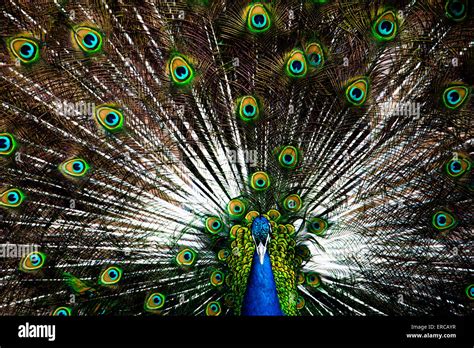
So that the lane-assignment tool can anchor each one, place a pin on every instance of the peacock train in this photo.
(244, 158)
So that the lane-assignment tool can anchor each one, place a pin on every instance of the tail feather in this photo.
(372, 175)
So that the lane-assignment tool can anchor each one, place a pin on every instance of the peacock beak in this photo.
(261, 248)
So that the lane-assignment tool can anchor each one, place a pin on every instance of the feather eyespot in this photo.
(273, 215)
(217, 278)
(7, 144)
(458, 167)
(313, 280)
(248, 109)
(12, 198)
(315, 55)
(303, 252)
(456, 10)
(296, 64)
(317, 226)
(213, 309)
(288, 157)
(223, 254)
(214, 225)
(258, 19)
(233, 231)
(455, 96)
(110, 276)
(260, 181)
(24, 49)
(292, 203)
(186, 257)
(88, 39)
(442, 220)
(76, 167)
(385, 28)
(356, 92)
(110, 118)
(236, 208)
(154, 301)
(180, 70)
(32, 262)
(62, 312)
(300, 302)
(470, 292)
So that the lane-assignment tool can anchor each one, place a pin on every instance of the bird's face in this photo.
(261, 229)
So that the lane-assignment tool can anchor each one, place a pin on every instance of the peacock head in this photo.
(261, 229)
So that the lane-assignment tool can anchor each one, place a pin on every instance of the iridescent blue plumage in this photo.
(261, 296)
(260, 229)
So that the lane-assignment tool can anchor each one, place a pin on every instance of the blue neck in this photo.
(261, 297)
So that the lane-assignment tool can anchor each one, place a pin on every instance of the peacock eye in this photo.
(213, 309)
(62, 312)
(214, 225)
(75, 167)
(317, 225)
(356, 92)
(110, 276)
(32, 261)
(457, 167)
(154, 301)
(186, 257)
(292, 203)
(35, 260)
(236, 208)
(288, 157)
(455, 96)
(248, 108)
(296, 64)
(217, 278)
(385, 27)
(223, 254)
(12, 198)
(180, 70)
(303, 252)
(260, 181)
(315, 55)
(258, 19)
(300, 279)
(7, 144)
(273, 215)
(89, 40)
(470, 291)
(312, 279)
(442, 220)
(300, 302)
(456, 10)
(24, 49)
(233, 231)
(110, 118)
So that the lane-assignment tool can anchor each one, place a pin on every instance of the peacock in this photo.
(242, 158)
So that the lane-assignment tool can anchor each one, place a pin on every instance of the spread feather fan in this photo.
(236, 158)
